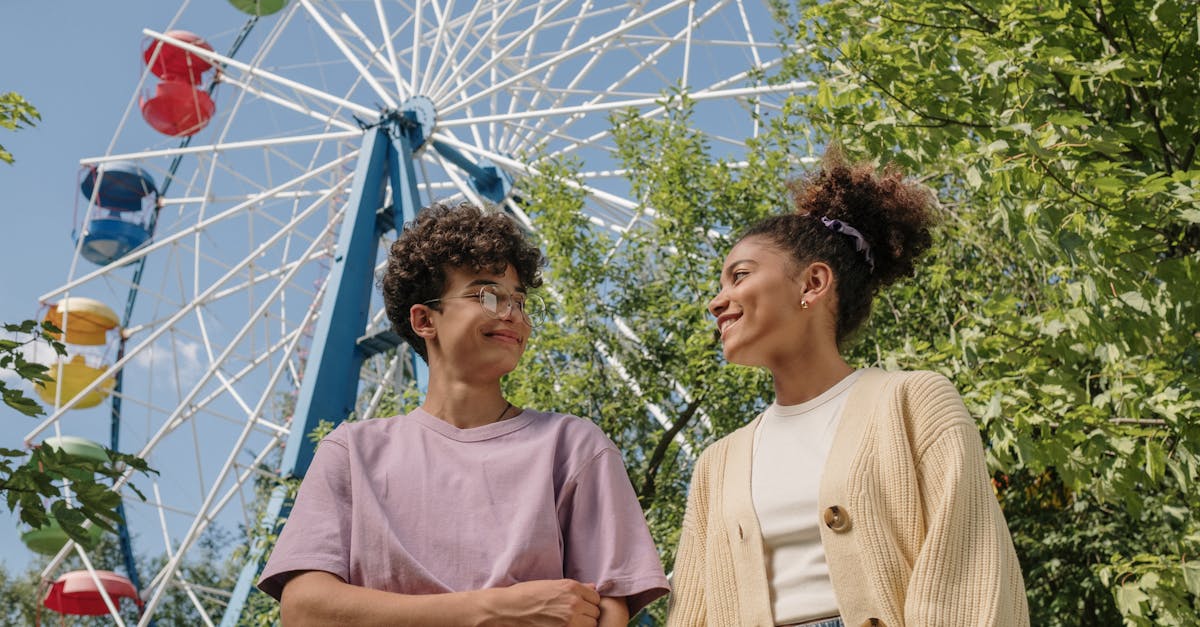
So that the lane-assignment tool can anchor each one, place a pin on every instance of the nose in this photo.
(718, 304)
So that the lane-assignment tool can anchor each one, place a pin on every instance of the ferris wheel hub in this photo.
(416, 118)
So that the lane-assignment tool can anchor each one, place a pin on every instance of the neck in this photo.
(805, 375)
(465, 404)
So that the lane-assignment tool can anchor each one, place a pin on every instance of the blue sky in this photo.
(79, 64)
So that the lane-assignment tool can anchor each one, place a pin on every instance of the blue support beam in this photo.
(329, 386)
(408, 201)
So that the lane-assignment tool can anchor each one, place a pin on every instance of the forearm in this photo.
(614, 612)
(320, 598)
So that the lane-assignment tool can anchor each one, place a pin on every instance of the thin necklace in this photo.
(507, 406)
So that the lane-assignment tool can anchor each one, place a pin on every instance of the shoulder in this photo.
(571, 424)
(929, 394)
(715, 454)
(576, 442)
(930, 406)
(358, 431)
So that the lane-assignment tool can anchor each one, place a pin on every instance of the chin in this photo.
(739, 357)
(731, 354)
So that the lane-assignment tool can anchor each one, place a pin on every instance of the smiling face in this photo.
(758, 310)
(465, 340)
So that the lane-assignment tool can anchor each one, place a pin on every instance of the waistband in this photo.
(832, 621)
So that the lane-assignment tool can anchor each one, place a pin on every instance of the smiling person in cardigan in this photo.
(858, 497)
(467, 510)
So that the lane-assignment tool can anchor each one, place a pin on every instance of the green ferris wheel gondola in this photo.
(259, 7)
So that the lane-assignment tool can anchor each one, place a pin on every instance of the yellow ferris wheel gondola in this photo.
(85, 323)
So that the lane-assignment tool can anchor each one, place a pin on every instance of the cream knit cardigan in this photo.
(919, 539)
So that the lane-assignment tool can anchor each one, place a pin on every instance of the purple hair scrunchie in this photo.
(860, 242)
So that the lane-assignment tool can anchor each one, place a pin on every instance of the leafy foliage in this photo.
(49, 481)
(15, 113)
(12, 357)
(1062, 137)
(631, 345)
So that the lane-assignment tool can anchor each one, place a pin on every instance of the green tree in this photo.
(1062, 137)
(630, 344)
(15, 113)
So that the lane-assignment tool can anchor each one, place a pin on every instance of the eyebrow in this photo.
(733, 264)
(482, 282)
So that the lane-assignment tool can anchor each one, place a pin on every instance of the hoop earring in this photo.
(803, 304)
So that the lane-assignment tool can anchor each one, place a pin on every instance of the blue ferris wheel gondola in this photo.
(119, 217)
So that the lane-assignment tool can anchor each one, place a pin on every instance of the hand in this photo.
(548, 603)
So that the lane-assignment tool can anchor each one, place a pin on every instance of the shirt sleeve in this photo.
(316, 535)
(605, 538)
(966, 571)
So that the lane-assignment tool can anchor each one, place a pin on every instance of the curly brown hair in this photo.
(451, 236)
(894, 216)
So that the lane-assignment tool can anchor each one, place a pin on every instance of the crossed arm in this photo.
(319, 598)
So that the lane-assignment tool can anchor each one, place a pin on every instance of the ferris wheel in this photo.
(238, 262)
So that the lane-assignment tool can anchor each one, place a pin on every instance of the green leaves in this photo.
(1062, 139)
(15, 113)
(73, 486)
(51, 481)
(12, 357)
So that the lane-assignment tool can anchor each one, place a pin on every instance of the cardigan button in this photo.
(873, 622)
(837, 519)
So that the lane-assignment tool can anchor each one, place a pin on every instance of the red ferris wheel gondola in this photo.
(77, 594)
(178, 108)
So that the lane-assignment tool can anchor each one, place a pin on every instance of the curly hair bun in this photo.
(893, 214)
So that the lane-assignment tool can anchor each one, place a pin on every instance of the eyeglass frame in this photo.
(509, 296)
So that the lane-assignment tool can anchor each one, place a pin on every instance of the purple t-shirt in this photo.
(412, 504)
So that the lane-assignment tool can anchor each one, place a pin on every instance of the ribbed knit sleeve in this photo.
(687, 580)
(966, 570)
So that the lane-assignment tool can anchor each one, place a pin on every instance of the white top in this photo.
(791, 445)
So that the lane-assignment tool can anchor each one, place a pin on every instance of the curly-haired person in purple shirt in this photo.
(467, 510)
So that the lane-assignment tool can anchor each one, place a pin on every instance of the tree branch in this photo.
(1146, 100)
(649, 489)
(992, 24)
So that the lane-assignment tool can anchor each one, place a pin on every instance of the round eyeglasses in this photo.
(498, 302)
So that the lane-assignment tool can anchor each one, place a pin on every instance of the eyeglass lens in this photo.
(498, 302)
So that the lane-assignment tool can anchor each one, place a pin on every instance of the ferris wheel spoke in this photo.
(521, 138)
(393, 62)
(350, 56)
(648, 62)
(488, 37)
(465, 30)
(377, 395)
(260, 73)
(517, 166)
(417, 23)
(376, 53)
(442, 28)
(749, 33)
(294, 106)
(566, 55)
(186, 408)
(258, 278)
(702, 96)
(201, 522)
(223, 147)
(202, 225)
(184, 310)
